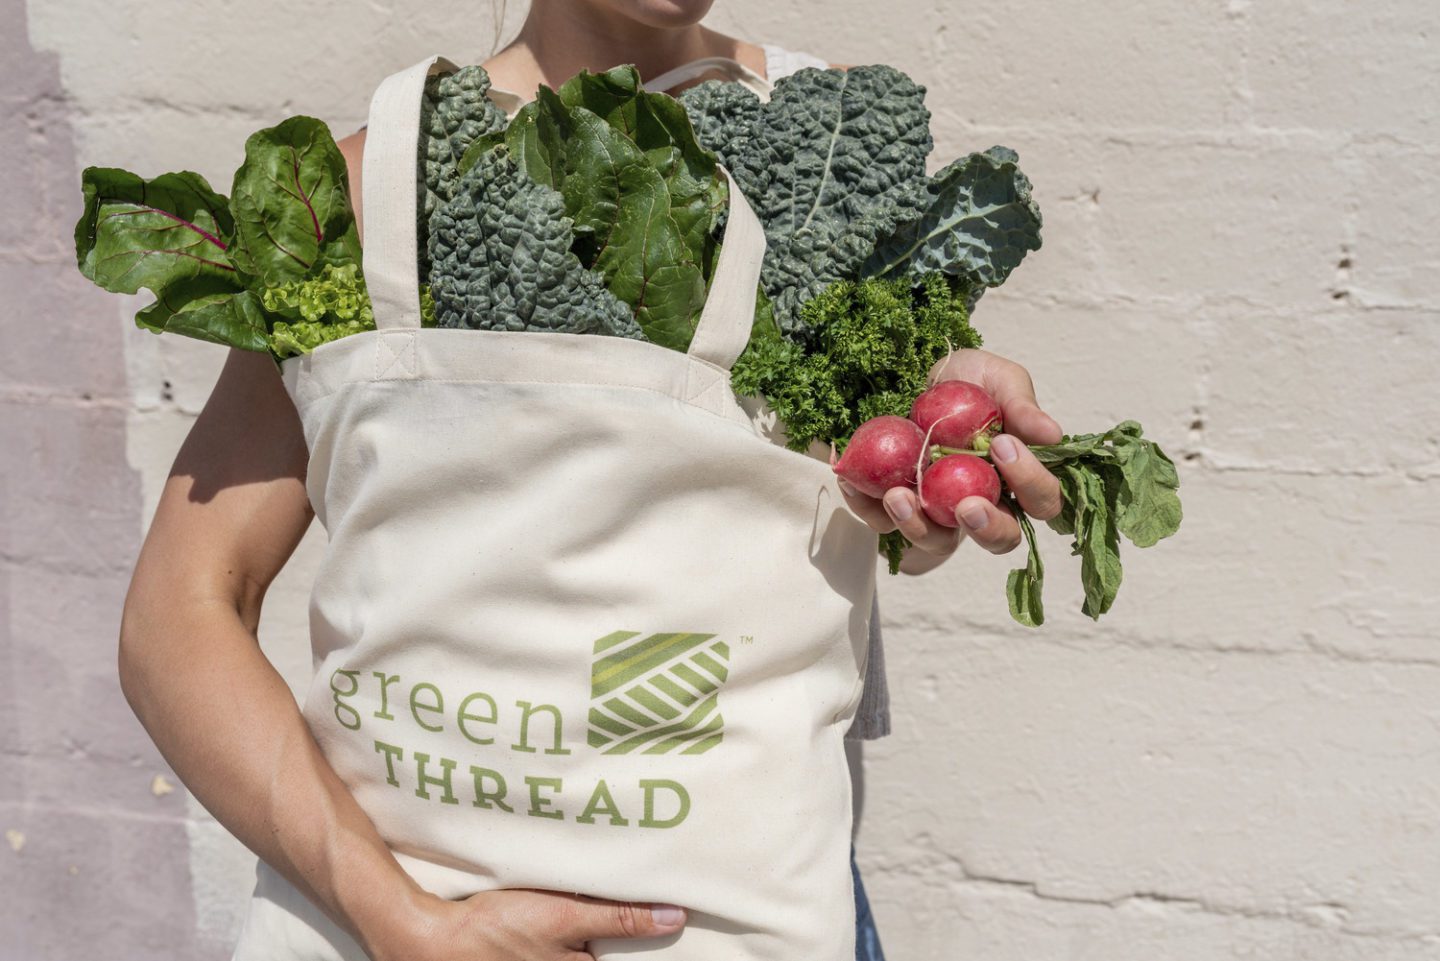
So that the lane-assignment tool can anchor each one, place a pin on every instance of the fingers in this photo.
(590, 919)
(1014, 391)
(867, 508)
(1010, 385)
(903, 508)
(993, 528)
(1037, 490)
(1028, 422)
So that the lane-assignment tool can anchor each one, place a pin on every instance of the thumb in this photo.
(623, 919)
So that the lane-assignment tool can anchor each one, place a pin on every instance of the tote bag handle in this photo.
(391, 264)
(734, 69)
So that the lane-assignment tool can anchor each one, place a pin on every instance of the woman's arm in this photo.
(233, 509)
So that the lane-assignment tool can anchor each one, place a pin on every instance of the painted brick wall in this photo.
(1241, 761)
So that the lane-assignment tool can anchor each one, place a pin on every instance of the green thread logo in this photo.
(658, 693)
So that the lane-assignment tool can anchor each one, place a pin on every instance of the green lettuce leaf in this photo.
(290, 339)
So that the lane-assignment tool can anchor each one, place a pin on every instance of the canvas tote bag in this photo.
(579, 625)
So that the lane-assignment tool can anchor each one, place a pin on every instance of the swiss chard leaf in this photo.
(136, 233)
(208, 308)
(291, 203)
(659, 126)
(624, 224)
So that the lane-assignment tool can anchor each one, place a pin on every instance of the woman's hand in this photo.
(517, 924)
(993, 528)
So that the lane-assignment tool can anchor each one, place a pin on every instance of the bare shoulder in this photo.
(352, 148)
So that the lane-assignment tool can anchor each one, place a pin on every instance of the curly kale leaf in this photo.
(501, 250)
(979, 223)
(455, 111)
(867, 348)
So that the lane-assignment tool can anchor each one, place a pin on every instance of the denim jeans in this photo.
(867, 939)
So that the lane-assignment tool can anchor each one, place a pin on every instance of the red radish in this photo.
(957, 413)
(953, 478)
(882, 453)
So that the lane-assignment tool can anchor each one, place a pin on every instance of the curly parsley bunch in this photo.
(864, 348)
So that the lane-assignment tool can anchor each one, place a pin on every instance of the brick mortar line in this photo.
(1189, 904)
(22, 395)
(1130, 642)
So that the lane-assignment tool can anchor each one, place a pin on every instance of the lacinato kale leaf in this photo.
(834, 161)
(455, 111)
(834, 165)
(501, 247)
(979, 223)
(724, 117)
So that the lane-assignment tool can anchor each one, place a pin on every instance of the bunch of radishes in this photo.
(937, 451)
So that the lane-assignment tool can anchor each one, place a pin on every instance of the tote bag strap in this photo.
(733, 69)
(729, 311)
(388, 195)
(392, 271)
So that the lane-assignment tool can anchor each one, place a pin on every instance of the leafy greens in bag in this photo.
(872, 270)
(594, 211)
(600, 209)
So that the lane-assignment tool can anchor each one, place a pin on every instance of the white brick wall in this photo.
(1243, 759)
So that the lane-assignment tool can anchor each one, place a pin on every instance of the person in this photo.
(234, 507)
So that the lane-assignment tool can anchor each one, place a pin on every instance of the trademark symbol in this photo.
(747, 639)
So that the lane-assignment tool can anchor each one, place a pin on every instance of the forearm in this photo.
(228, 725)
